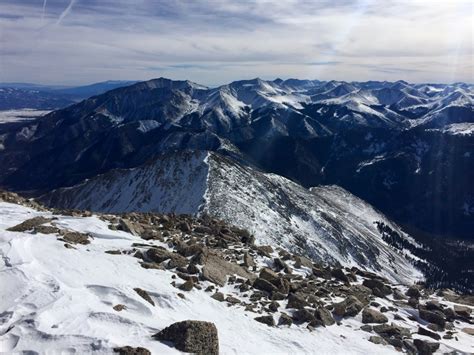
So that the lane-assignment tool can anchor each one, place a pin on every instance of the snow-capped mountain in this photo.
(326, 224)
(385, 142)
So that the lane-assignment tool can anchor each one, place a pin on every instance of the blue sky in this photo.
(217, 41)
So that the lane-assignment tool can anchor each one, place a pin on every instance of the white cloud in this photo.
(217, 41)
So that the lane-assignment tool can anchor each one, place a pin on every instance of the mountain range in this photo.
(265, 155)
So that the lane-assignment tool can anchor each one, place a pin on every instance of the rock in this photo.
(264, 250)
(425, 347)
(362, 293)
(192, 269)
(219, 296)
(189, 250)
(452, 296)
(156, 266)
(184, 227)
(232, 300)
(285, 319)
(324, 316)
(248, 260)
(388, 330)
(302, 261)
(469, 331)
(143, 294)
(76, 238)
(268, 320)
(413, 292)
(350, 307)
(216, 269)
(128, 350)
(377, 340)
(192, 336)
(433, 305)
(264, 285)
(366, 328)
(339, 275)
(279, 265)
(187, 286)
(423, 331)
(435, 317)
(269, 275)
(373, 316)
(273, 306)
(113, 252)
(302, 316)
(378, 287)
(29, 224)
(176, 260)
(398, 295)
(119, 307)
(296, 301)
(462, 311)
(46, 229)
(128, 226)
(158, 254)
(413, 302)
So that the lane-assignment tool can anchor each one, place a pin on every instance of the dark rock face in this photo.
(192, 337)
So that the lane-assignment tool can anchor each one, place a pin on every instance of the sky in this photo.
(71, 42)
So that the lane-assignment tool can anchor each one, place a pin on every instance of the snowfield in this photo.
(59, 300)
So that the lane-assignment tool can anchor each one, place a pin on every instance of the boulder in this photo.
(248, 260)
(76, 238)
(216, 269)
(268, 320)
(29, 224)
(324, 316)
(192, 337)
(378, 287)
(413, 292)
(462, 311)
(436, 317)
(302, 316)
(296, 301)
(350, 307)
(339, 275)
(285, 319)
(264, 285)
(377, 340)
(218, 296)
(429, 333)
(370, 315)
(425, 347)
(143, 294)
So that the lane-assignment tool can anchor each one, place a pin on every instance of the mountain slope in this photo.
(326, 224)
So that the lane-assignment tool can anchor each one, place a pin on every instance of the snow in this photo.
(60, 300)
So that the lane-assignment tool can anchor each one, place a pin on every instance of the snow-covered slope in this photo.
(326, 224)
(82, 298)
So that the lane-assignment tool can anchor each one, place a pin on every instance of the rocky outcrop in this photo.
(192, 336)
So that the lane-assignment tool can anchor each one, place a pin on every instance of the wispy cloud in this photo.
(69, 41)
